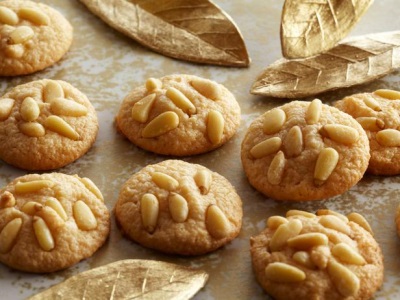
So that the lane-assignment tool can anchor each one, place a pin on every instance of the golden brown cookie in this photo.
(328, 256)
(33, 36)
(178, 207)
(50, 222)
(304, 151)
(45, 124)
(397, 220)
(179, 115)
(378, 114)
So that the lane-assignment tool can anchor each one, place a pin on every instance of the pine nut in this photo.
(308, 240)
(388, 138)
(274, 120)
(51, 218)
(276, 169)
(70, 108)
(207, 88)
(215, 126)
(32, 186)
(360, 220)
(53, 90)
(371, 123)
(34, 15)
(275, 221)
(340, 133)
(31, 208)
(267, 147)
(6, 105)
(320, 256)
(29, 110)
(178, 207)
(7, 200)
(84, 216)
(164, 181)
(14, 51)
(388, 94)
(180, 100)
(295, 212)
(284, 273)
(43, 234)
(304, 259)
(345, 281)
(335, 223)
(9, 234)
(324, 212)
(283, 233)
(32, 129)
(203, 179)
(348, 255)
(92, 187)
(57, 207)
(217, 223)
(21, 34)
(293, 142)
(149, 208)
(153, 84)
(8, 16)
(314, 112)
(58, 125)
(161, 124)
(141, 109)
(326, 163)
(372, 103)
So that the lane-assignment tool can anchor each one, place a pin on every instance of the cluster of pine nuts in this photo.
(23, 33)
(169, 120)
(47, 217)
(217, 223)
(53, 95)
(315, 250)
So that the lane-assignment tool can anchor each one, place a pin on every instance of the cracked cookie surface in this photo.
(304, 151)
(178, 207)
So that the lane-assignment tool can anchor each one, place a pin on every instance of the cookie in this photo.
(304, 151)
(328, 256)
(45, 125)
(50, 222)
(378, 114)
(180, 208)
(179, 115)
(397, 220)
(33, 36)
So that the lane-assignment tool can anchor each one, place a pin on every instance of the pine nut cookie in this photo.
(50, 222)
(179, 115)
(378, 114)
(397, 220)
(33, 36)
(178, 207)
(45, 124)
(304, 151)
(323, 256)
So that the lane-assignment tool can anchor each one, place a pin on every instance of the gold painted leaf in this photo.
(356, 61)
(130, 279)
(309, 27)
(193, 30)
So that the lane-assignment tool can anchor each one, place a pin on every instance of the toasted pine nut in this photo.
(153, 84)
(295, 212)
(65, 107)
(275, 221)
(371, 123)
(388, 138)
(345, 281)
(217, 223)
(8, 16)
(207, 88)
(141, 109)
(84, 217)
(276, 169)
(335, 223)
(29, 110)
(33, 186)
(340, 133)
(360, 220)
(57, 207)
(32, 129)
(326, 163)
(203, 179)
(43, 234)
(21, 34)
(34, 15)
(348, 255)
(266, 147)
(274, 120)
(6, 105)
(308, 240)
(163, 123)
(58, 125)
(53, 90)
(149, 208)
(92, 187)
(180, 100)
(388, 94)
(284, 273)
(215, 126)
(283, 233)
(31, 208)
(9, 234)
(313, 112)
(178, 207)
(293, 142)
(7, 200)
(164, 181)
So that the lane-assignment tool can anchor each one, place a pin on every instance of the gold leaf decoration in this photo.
(193, 30)
(130, 279)
(309, 27)
(359, 60)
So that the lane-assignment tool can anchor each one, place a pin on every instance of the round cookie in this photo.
(329, 256)
(45, 125)
(378, 113)
(33, 36)
(178, 207)
(179, 115)
(397, 220)
(304, 151)
(50, 222)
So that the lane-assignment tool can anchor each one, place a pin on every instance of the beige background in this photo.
(105, 65)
